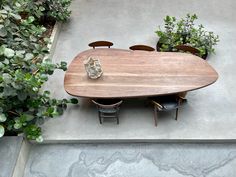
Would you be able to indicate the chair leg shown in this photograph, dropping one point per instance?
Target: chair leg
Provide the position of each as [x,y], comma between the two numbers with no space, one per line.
[176,113]
[100,118]
[155,115]
[117,118]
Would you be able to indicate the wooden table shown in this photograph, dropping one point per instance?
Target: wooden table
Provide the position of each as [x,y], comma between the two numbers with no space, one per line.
[138,73]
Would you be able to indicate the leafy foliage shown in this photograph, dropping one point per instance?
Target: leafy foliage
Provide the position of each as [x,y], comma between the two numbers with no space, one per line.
[58,9]
[43,9]
[184,31]
[23,71]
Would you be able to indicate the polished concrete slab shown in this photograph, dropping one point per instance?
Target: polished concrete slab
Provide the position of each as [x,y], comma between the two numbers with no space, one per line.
[9,151]
[209,113]
[137,160]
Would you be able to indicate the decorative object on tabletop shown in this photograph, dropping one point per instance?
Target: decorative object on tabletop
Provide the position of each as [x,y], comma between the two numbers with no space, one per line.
[93,67]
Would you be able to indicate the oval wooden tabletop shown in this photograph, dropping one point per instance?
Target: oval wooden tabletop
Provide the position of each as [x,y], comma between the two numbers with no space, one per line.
[129,73]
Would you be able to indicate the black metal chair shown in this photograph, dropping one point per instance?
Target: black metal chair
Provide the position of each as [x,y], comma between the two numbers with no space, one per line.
[108,108]
[100,44]
[167,103]
[141,47]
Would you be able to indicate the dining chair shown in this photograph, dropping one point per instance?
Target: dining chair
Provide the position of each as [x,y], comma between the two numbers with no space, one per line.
[100,44]
[108,108]
[186,48]
[182,94]
[167,103]
[141,47]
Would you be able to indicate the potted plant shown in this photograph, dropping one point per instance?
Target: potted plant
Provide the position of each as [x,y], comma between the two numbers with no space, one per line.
[185,32]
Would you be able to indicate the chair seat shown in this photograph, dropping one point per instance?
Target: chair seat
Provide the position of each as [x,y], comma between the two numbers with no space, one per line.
[168,105]
[108,111]
[167,102]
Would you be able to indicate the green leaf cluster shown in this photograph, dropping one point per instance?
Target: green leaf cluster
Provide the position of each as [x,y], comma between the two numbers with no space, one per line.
[43,10]
[184,31]
[24,105]
[58,9]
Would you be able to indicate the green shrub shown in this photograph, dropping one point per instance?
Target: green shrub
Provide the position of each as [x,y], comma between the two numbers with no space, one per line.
[44,9]
[23,71]
[58,9]
[184,31]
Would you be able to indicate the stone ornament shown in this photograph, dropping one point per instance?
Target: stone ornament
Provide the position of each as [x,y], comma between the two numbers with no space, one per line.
[93,68]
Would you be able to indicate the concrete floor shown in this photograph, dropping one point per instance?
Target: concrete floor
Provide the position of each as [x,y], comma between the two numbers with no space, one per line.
[9,152]
[209,113]
[125,160]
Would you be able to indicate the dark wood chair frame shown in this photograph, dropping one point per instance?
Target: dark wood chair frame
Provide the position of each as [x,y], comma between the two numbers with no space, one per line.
[187,48]
[142,47]
[100,44]
[102,114]
[159,107]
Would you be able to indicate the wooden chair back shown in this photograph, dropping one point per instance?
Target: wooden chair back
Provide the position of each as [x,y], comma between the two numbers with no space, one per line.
[142,47]
[108,108]
[107,105]
[100,44]
[187,48]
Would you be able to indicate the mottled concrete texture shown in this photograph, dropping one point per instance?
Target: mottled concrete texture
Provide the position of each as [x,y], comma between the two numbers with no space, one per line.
[136,160]
[9,152]
[22,159]
[210,112]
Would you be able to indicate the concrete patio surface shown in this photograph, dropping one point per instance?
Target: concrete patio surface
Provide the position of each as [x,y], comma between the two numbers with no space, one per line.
[209,113]
[139,160]
[9,152]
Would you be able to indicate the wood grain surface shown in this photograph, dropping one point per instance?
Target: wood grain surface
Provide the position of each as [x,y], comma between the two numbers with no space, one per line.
[129,73]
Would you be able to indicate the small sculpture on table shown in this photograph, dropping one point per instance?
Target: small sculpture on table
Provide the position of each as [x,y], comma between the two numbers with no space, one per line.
[93,68]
